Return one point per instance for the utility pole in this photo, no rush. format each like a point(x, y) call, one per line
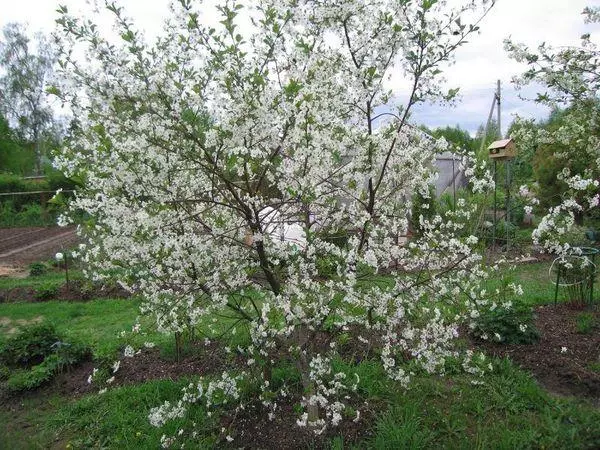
point(496, 102)
point(498, 97)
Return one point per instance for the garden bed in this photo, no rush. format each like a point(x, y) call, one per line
point(565, 360)
point(21, 246)
point(77, 290)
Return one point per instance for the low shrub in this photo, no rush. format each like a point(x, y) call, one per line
point(29, 346)
point(46, 291)
point(36, 269)
point(28, 214)
point(36, 355)
point(508, 326)
point(22, 380)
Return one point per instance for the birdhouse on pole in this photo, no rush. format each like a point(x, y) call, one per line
point(503, 149)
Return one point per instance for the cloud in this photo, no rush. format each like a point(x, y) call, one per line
point(483, 61)
point(474, 109)
point(478, 64)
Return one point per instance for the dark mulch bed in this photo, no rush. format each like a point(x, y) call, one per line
point(146, 366)
point(564, 372)
point(252, 429)
point(77, 290)
point(150, 365)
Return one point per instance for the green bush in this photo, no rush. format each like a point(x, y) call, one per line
point(46, 291)
point(508, 326)
point(29, 209)
point(338, 238)
point(66, 355)
point(25, 215)
point(69, 353)
point(504, 230)
point(29, 346)
point(36, 354)
point(16, 183)
point(36, 269)
point(425, 206)
point(56, 180)
point(22, 380)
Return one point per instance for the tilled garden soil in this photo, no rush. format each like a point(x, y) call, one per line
point(22, 246)
point(564, 360)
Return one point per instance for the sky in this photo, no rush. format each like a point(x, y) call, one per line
point(478, 64)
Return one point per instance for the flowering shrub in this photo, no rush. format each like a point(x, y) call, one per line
point(189, 144)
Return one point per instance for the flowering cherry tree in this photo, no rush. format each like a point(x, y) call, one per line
point(199, 148)
point(571, 76)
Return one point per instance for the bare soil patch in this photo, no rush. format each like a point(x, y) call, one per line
point(254, 430)
point(12, 326)
point(564, 361)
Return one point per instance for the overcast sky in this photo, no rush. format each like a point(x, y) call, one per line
point(478, 64)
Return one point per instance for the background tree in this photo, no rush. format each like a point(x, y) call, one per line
point(26, 68)
point(457, 137)
point(15, 156)
point(493, 134)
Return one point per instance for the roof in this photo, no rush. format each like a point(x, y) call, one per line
point(499, 144)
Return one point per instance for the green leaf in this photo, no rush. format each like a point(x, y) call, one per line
point(427, 4)
point(129, 36)
point(292, 88)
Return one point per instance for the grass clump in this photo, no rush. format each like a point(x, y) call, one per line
point(29, 346)
point(585, 322)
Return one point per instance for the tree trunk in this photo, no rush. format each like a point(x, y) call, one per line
point(301, 338)
point(178, 346)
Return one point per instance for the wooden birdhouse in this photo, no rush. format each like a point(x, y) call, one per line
point(503, 149)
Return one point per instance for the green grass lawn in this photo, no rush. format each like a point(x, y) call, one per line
point(510, 410)
point(55, 278)
point(96, 323)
